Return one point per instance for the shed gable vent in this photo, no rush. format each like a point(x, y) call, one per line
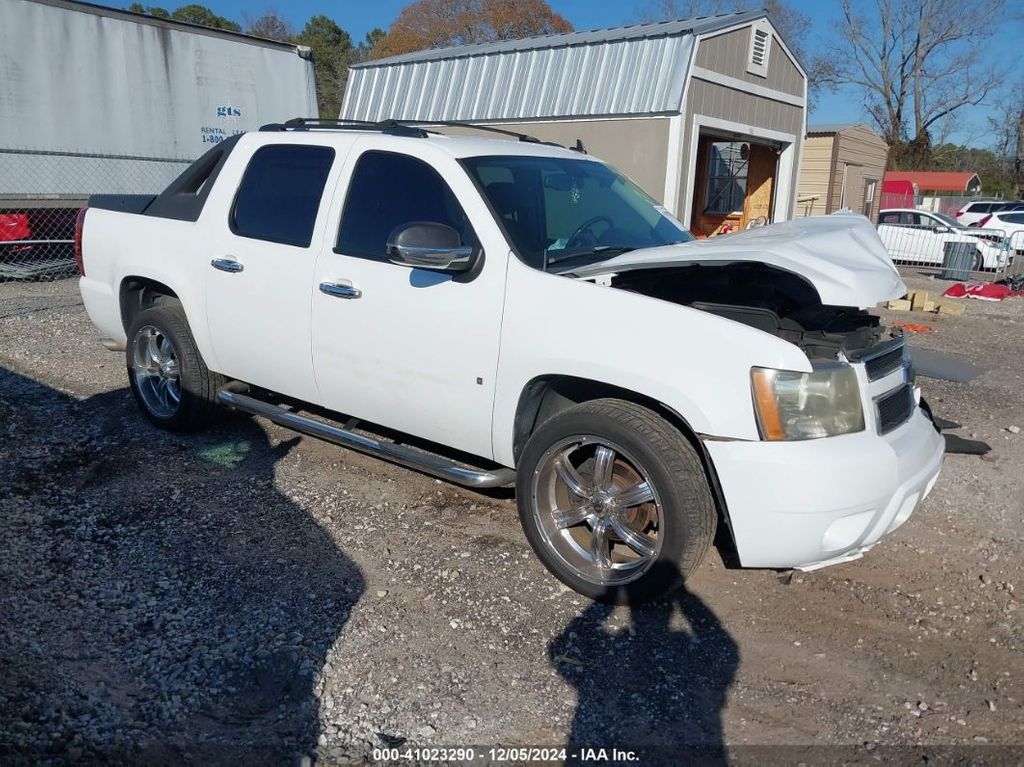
point(760, 48)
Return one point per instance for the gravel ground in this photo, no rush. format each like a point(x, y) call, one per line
point(249, 595)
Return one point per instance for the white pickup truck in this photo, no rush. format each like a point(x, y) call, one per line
point(524, 313)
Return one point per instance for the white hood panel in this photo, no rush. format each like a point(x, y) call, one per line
point(841, 255)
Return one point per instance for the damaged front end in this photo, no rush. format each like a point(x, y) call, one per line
point(766, 298)
point(808, 281)
point(811, 283)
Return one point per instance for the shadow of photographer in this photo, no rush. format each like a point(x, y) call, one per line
point(163, 600)
point(656, 688)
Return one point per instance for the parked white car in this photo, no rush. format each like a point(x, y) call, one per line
point(920, 237)
point(1010, 224)
point(530, 316)
point(972, 212)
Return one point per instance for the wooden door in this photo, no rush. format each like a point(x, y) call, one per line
point(760, 183)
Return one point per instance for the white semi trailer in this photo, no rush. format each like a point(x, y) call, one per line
point(101, 100)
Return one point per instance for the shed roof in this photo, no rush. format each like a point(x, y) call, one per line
point(631, 70)
point(697, 26)
point(831, 128)
point(937, 181)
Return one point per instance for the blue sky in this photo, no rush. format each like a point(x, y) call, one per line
point(360, 17)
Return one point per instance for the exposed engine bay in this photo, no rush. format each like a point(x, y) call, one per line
point(764, 297)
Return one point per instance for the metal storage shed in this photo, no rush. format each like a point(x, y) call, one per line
point(706, 114)
point(842, 167)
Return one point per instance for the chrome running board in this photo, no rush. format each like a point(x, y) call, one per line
point(401, 454)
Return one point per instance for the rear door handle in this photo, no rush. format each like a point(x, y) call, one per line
point(226, 265)
point(340, 290)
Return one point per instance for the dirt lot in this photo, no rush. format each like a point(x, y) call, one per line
point(248, 594)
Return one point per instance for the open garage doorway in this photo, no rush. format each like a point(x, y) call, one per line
point(735, 184)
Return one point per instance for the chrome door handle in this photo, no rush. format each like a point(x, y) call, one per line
point(339, 290)
point(226, 265)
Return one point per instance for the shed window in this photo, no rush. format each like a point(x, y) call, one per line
point(760, 48)
point(727, 177)
point(869, 195)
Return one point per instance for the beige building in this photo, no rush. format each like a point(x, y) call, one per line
point(706, 115)
point(842, 167)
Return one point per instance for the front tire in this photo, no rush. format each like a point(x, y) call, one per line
point(171, 383)
point(615, 502)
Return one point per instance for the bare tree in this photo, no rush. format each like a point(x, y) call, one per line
point(1007, 127)
point(270, 24)
point(917, 62)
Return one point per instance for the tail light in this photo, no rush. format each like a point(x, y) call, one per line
point(958, 213)
point(985, 220)
point(79, 226)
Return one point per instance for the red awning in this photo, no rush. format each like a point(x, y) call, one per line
point(937, 181)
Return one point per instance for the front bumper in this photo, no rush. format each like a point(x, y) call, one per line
point(819, 502)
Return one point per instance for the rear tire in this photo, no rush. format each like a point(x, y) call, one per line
point(615, 502)
point(171, 383)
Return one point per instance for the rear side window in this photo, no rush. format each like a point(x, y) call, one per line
point(389, 190)
point(1012, 218)
point(280, 193)
point(979, 207)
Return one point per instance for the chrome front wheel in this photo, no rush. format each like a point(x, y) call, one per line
point(614, 500)
point(156, 371)
point(597, 509)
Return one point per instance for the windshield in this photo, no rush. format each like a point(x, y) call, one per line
point(562, 212)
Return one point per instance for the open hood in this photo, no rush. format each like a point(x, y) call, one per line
point(840, 255)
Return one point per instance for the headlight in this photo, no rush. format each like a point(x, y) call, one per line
point(793, 405)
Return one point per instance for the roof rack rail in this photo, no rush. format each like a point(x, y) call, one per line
point(412, 128)
point(392, 127)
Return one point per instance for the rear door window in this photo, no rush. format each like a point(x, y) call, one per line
point(280, 193)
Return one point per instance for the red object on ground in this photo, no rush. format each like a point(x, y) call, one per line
point(914, 328)
point(984, 291)
point(14, 226)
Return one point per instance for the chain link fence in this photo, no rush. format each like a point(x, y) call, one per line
point(41, 192)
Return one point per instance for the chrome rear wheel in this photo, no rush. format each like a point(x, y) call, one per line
point(156, 371)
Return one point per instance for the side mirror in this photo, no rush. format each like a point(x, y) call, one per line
point(427, 245)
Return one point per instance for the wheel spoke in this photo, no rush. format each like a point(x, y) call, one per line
point(568, 474)
point(639, 542)
point(153, 349)
point(173, 392)
point(633, 496)
point(604, 461)
point(568, 517)
point(161, 391)
point(600, 546)
point(166, 350)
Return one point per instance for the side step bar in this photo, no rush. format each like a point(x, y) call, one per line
point(401, 454)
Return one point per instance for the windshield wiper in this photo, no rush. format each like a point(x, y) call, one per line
point(611, 250)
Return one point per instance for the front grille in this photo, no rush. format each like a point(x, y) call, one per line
point(885, 363)
point(894, 408)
